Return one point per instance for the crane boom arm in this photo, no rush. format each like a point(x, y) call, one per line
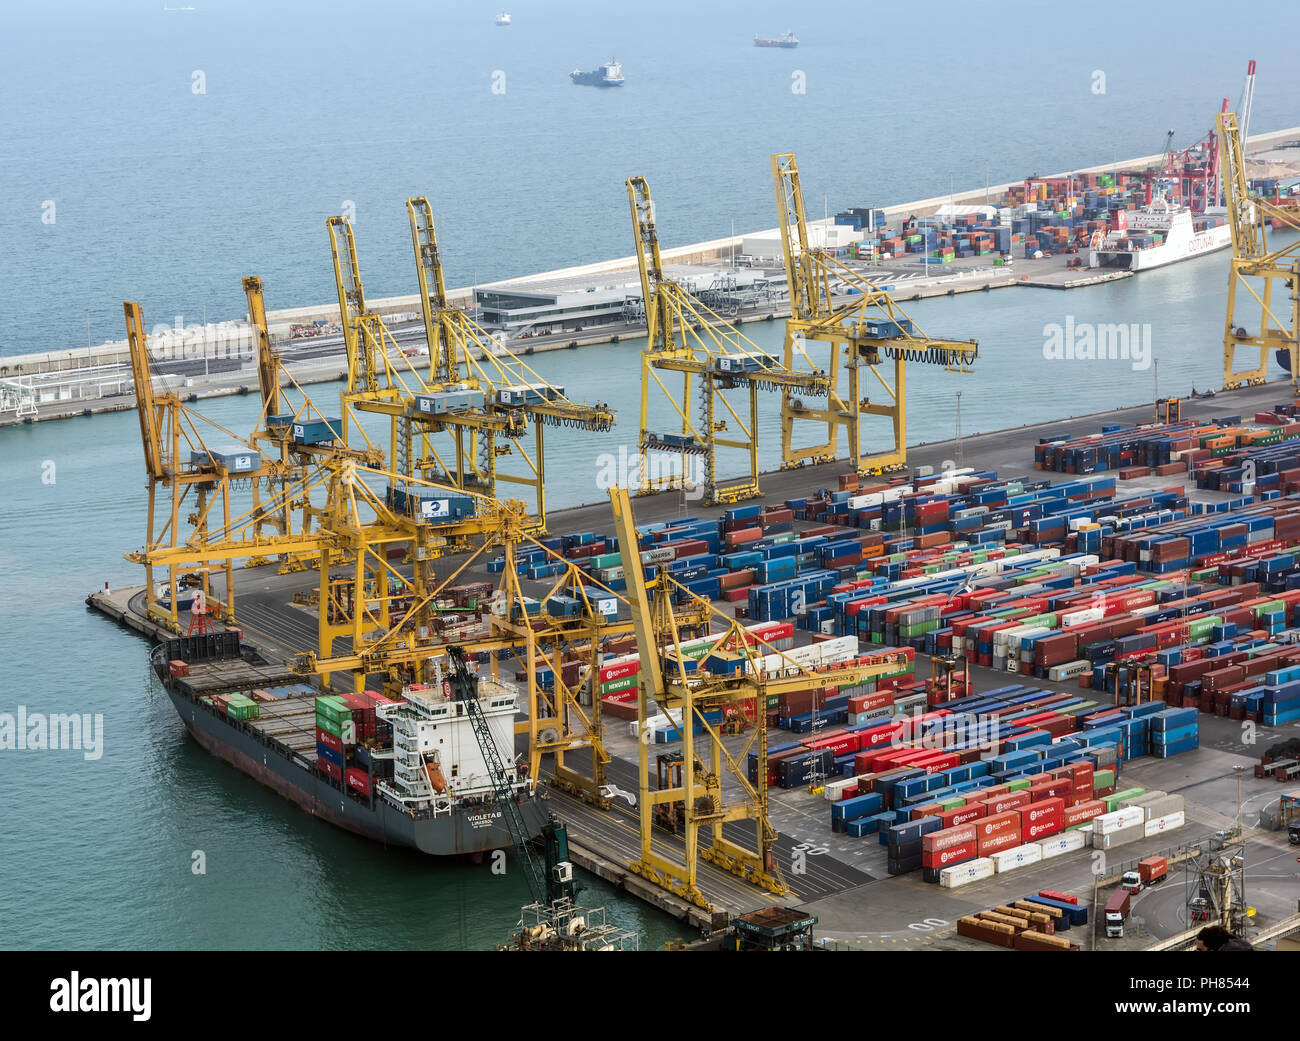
point(658, 308)
point(268, 366)
point(150, 434)
point(444, 363)
point(352, 296)
point(805, 299)
point(1243, 216)
point(637, 595)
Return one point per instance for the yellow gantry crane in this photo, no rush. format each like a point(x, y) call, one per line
point(686, 337)
point(371, 619)
point(715, 789)
point(866, 331)
point(298, 437)
point(377, 384)
point(190, 482)
point(481, 401)
point(358, 528)
point(1275, 271)
point(464, 354)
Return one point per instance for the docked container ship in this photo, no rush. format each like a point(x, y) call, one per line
point(1159, 234)
point(405, 772)
point(788, 40)
point(608, 75)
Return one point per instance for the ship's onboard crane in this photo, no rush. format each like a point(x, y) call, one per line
point(463, 687)
point(1269, 275)
point(739, 689)
point(553, 921)
point(868, 331)
point(685, 336)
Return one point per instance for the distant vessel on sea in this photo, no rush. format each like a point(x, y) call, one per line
point(502, 19)
point(788, 40)
point(608, 75)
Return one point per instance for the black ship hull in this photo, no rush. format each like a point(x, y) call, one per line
point(468, 830)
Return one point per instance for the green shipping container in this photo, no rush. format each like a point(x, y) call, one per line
point(1102, 779)
point(330, 726)
point(1018, 783)
point(332, 708)
point(623, 683)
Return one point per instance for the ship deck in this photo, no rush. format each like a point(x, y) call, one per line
point(290, 722)
point(218, 677)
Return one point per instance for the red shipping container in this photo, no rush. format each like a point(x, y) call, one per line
point(867, 702)
point(332, 769)
point(1058, 787)
point(740, 538)
point(965, 814)
point(359, 780)
point(930, 809)
point(1010, 801)
point(327, 739)
point(1041, 829)
point(1062, 898)
point(1082, 812)
point(1006, 840)
point(998, 823)
point(178, 668)
point(1045, 809)
point(877, 736)
point(839, 744)
point(947, 857)
point(948, 838)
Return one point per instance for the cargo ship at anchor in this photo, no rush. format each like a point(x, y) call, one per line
point(788, 40)
point(404, 772)
point(608, 75)
point(1161, 233)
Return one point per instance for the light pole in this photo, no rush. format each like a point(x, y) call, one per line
point(1238, 771)
point(958, 452)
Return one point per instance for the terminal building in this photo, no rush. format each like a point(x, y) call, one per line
point(575, 303)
